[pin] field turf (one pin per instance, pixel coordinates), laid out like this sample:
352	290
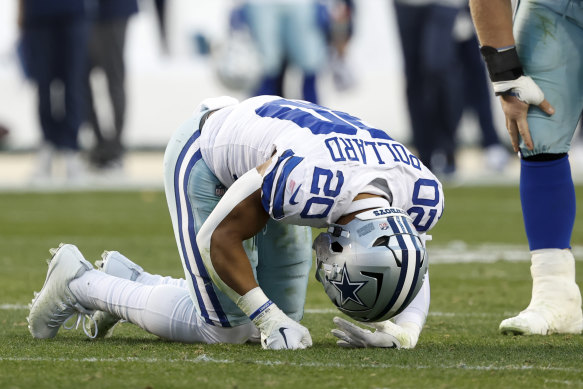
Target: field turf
459	347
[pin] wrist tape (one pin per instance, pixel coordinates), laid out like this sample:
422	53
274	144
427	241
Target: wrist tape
503	64
256	305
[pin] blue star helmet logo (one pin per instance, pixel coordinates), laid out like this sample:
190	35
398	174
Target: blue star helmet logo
347	288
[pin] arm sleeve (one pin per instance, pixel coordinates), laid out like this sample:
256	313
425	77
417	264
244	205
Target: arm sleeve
239	191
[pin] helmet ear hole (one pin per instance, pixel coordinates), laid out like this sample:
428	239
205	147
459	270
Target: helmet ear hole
381	241
336	247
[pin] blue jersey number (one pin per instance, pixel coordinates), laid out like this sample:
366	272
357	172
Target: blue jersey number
326	185
429	200
318	119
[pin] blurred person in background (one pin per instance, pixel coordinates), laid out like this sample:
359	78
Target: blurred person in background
4	132
160	6
106	52
432	68
287	30
337	21
56	34
476	90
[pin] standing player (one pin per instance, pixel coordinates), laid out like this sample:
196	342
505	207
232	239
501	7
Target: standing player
544	58
288	164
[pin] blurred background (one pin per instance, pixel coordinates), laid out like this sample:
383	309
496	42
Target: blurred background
177	52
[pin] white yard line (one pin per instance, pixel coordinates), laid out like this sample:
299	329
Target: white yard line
313	311
206	359
12	307
461	252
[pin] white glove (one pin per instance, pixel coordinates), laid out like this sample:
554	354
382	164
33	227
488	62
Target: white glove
524	87
278	331
387	334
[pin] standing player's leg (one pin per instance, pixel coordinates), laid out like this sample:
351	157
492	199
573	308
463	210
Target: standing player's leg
552	57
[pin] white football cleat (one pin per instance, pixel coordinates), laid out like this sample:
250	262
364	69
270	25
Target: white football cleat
118	265
55	304
555	306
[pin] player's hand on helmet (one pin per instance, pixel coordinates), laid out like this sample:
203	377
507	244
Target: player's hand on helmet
516	96
386	334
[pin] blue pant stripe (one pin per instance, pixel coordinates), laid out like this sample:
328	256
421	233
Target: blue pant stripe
180	205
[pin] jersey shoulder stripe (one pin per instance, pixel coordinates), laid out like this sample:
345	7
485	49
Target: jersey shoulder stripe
274	183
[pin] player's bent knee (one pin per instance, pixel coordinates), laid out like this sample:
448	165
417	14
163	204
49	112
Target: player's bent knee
171	314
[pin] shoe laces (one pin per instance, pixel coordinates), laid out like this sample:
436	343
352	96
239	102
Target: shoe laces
64	314
81	316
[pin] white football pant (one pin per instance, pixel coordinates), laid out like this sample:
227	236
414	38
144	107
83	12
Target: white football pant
165	309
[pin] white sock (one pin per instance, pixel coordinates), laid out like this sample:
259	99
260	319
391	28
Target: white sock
155	279
120	297
163	310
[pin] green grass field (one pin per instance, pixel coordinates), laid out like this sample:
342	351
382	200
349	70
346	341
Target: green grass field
459	347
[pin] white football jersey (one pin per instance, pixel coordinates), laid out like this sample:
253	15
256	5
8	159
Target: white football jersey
323	159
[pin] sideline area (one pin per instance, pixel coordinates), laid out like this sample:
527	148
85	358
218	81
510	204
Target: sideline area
144	170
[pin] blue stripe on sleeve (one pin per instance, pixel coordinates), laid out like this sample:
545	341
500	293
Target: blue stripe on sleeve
279	197
271	188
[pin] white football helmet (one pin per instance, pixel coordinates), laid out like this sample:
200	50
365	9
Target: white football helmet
372	267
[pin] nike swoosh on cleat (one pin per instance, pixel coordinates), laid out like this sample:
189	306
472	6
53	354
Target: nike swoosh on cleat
281	331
